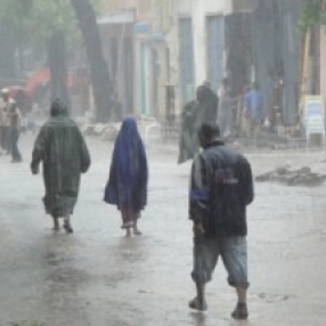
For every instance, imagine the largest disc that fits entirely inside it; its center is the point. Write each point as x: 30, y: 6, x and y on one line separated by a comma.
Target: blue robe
x: 127, y: 185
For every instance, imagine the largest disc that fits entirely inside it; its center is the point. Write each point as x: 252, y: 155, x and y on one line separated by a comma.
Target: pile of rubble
x: 293, y: 177
x: 272, y: 141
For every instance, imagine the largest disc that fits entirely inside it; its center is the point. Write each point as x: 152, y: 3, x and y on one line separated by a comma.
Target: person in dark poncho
x: 127, y: 185
x: 195, y: 113
x: 188, y: 144
x: 209, y: 102
x: 63, y: 151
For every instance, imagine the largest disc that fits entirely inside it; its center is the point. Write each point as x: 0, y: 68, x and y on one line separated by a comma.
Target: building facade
x: 203, y: 39
x: 118, y: 24
x: 244, y: 40
x: 176, y: 45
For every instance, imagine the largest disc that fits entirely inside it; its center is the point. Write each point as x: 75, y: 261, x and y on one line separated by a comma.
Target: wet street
x: 98, y: 277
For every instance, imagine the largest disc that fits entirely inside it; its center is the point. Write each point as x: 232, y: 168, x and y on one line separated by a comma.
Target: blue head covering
x: 129, y: 171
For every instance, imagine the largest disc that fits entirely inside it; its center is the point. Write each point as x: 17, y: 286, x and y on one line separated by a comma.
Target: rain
x: 162, y: 162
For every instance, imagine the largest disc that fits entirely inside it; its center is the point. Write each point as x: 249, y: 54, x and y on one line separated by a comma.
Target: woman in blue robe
x: 127, y: 185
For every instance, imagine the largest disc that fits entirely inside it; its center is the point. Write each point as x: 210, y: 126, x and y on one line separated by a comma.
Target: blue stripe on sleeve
x: 199, y: 194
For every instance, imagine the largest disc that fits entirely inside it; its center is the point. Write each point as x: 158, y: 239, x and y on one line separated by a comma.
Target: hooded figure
x: 63, y: 151
x: 201, y: 110
x: 208, y: 102
x: 127, y: 185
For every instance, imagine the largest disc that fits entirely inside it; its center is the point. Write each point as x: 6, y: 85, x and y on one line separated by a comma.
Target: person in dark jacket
x: 221, y: 189
x: 62, y: 149
x: 127, y: 185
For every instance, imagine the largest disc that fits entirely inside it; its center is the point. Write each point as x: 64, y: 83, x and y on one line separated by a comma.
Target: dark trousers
x: 4, y: 136
x: 14, y: 137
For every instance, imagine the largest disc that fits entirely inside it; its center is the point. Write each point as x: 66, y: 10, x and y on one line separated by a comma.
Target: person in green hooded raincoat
x: 61, y: 148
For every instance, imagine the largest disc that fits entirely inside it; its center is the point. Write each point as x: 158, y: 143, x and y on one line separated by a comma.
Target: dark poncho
x: 127, y: 185
x: 63, y: 151
x: 208, y: 104
x: 188, y: 143
x: 195, y: 113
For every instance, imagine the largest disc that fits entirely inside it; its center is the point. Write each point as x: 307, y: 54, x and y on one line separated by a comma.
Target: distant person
x: 127, y: 185
x: 221, y: 189
x: 225, y: 113
x: 16, y: 123
x: 253, y: 103
x: 61, y: 148
x: 5, y: 105
x: 202, y: 109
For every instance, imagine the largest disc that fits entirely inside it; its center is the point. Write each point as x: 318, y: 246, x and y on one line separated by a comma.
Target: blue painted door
x: 187, y: 79
x: 215, y: 50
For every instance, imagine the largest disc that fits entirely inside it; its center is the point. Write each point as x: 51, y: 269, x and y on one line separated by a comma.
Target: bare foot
x: 68, y: 227
x: 56, y: 228
x: 240, y: 312
x: 56, y: 225
x: 197, y: 304
x: 137, y: 232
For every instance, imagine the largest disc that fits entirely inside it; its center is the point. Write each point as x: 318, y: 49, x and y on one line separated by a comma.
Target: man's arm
x: 199, y: 192
x: 84, y: 153
x: 247, y: 184
x: 38, y: 151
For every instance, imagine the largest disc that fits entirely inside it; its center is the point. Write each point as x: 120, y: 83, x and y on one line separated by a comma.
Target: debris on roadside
x: 108, y: 132
x: 287, y: 175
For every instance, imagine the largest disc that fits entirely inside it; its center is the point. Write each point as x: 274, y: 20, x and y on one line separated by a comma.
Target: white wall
x: 198, y: 10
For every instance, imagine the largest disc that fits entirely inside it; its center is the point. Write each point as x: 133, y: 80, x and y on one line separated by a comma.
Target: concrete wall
x: 165, y: 18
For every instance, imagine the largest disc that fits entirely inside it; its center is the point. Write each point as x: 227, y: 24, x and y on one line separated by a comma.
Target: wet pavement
x: 98, y: 277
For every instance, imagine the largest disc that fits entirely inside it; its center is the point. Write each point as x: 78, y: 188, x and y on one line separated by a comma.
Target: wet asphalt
x: 98, y: 277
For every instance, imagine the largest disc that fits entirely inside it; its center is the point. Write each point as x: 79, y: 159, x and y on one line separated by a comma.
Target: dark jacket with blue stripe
x: 221, y: 189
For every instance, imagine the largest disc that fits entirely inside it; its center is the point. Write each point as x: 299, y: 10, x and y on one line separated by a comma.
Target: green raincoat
x: 63, y: 151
